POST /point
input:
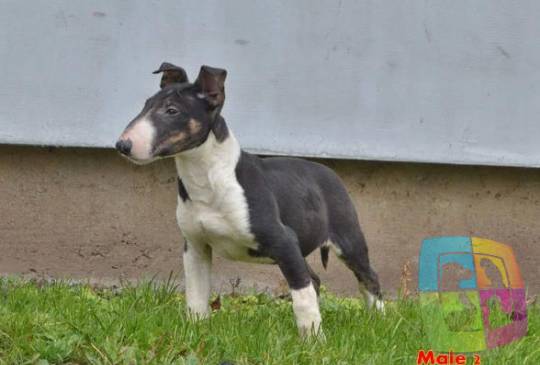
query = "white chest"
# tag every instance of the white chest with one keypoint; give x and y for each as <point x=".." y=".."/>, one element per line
<point x="221" y="221"/>
<point x="216" y="212"/>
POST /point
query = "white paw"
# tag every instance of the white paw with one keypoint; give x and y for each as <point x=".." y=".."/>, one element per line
<point x="310" y="333"/>
<point x="379" y="305"/>
<point x="198" y="314"/>
<point x="306" y="310"/>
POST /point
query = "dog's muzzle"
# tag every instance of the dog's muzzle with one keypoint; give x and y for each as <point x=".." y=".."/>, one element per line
<point x="124" y="146"/>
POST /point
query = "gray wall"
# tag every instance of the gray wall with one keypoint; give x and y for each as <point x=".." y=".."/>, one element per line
<point x="453" y="82"/>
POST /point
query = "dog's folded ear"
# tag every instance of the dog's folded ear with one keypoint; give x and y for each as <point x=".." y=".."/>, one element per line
<point x="211" y="84"/>
<point x="171" y="74"/>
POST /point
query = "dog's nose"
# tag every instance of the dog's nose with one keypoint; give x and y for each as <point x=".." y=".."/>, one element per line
<point x="124" y="146"/>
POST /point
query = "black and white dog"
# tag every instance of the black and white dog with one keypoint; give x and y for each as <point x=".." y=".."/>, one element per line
<point x="267" y="210"/>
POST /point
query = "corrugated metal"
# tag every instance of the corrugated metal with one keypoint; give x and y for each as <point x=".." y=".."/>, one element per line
<point x="453" y="82"/>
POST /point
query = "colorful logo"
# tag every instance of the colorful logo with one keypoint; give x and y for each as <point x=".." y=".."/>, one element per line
<point x="472" y="294"/>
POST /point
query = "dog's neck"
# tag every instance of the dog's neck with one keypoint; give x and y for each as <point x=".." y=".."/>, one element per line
<point x="208" y="170"/>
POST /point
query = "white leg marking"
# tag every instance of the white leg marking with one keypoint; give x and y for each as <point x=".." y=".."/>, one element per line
<point x="379" y="305"/>
<point x="306" y="311"/>
<point x="371" y="300"/>
<point x="197" y="268"/>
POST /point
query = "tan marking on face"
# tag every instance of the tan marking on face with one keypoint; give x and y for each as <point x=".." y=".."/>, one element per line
<point x="174" y="138"/>
<point x="170" y="141"/>
<point x="194" y="126"/>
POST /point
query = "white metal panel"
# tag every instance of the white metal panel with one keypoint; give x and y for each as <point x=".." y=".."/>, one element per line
<point x="454" y="81"/>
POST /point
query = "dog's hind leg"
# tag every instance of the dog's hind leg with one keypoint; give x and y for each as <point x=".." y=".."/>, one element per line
<point x="353" y="251"/>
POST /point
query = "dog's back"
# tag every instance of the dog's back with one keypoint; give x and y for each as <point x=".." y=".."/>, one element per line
<point x="311" y="199"/>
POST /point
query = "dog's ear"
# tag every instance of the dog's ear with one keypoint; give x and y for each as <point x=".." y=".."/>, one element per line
<point x="171" y="74"/>
<point x="211" y="85"/>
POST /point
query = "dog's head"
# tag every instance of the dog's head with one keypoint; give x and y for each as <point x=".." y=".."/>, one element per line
<point x="177" y="118"/>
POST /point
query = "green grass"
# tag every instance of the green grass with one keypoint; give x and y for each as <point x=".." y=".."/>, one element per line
<point x="58" y="323"/>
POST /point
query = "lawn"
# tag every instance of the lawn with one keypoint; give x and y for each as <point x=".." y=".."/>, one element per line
<point x="58" y="323"/>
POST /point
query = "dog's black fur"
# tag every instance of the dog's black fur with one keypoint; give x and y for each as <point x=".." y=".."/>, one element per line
<point x="302" y="204"/>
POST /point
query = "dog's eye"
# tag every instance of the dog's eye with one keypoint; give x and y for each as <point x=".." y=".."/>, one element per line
<point x="171" y="111"/>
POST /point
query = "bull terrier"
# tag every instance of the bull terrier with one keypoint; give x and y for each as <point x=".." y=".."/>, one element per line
<point x="274" y="210"/>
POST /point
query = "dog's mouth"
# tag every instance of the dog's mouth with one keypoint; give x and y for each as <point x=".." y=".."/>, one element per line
<point x="139" y="162"/>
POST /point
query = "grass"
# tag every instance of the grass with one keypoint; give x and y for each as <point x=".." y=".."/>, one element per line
<point x="59" y="323"/>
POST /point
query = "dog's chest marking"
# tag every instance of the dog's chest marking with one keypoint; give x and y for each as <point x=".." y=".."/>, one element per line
<point x="216" y="212"/>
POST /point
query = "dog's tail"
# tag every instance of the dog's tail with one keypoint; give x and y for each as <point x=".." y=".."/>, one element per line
<point x="324" y="256"/>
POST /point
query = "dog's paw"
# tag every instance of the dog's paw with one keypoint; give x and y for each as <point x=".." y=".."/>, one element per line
<point x="198" y="314"/>
<point x="310" y="334"/>
<point x="379" y="306"/>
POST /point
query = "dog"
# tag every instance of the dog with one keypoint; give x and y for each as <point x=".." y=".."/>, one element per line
<point x="274" y="210"/>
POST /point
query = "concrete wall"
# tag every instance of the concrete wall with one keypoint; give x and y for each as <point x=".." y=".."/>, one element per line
<point x="87" y="213"/>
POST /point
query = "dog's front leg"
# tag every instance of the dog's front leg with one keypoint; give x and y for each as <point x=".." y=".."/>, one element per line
<point x="197" y="270"/>
<point x="304" y="297"/>
<point x="306" y="310"/>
